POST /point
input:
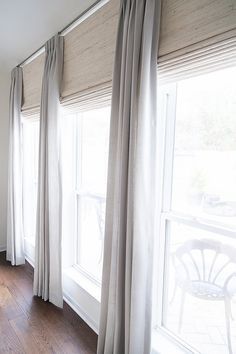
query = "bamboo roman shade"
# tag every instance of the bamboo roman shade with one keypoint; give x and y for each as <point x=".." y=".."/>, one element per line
<point x="89" y="56"/>
<point x="32" y="82"/>
<point x="188" y="25"/>
<point x="196" y="37"/>
<point x="191" y="31"/>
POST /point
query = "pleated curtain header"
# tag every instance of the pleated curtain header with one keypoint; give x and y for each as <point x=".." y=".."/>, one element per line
<point x="187" y="26"/>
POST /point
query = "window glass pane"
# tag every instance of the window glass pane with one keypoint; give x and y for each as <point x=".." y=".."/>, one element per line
<point x="91" y="219"/>
<point x="68" y="163"/>
<point x="92" y="163"/>
<point x="30" y="176"/>
<point x="94" y="137"/>
<point x="205" y="147"/>
<point x="200" y="288"/>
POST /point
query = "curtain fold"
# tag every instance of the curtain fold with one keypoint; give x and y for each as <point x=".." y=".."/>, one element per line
<point x="48" y="274"/>
<point x="15" y="239"/>
<point x="125" y="320"/>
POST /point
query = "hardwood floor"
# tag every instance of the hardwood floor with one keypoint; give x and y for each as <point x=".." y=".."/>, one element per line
<point x="30" y="325"/>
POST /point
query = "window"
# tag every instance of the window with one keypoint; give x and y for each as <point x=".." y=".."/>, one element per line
<point x="92" y="137"/>
<point x="30" y="176"/>
<point x="198" y="213"/>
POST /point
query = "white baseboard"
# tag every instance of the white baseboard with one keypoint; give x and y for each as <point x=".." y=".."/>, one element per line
<point x="2" y="248"/>
<point x="74" y="305"/>
<point x="29" y="260"/>
<point x="29" y="251"/>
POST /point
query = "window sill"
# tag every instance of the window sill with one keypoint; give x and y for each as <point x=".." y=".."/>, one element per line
<point x="92" y="289"/>
<point x="162" y="344"/>
<point x="83" y="296"/>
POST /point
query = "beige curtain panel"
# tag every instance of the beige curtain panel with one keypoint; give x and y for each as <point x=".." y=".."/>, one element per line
<point x="47" y="272"/>
<point x="126" y="305"/>
<point x="15" y="238"/>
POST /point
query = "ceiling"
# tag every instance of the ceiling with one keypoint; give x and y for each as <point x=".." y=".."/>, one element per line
<point x="25" y="25"/>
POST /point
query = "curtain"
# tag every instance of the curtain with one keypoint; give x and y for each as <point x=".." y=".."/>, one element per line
<point x="125" y="320"/>
<point x="47" y="275"/>
<point x="15" y="239"/>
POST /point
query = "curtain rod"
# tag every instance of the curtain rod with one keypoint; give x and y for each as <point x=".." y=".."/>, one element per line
<point x="85" y="14"/>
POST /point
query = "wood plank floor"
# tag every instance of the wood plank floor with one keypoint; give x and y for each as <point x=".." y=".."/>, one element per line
<point x="30" y="325"/>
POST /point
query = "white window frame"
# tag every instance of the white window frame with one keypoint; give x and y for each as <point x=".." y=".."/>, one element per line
<point x="166" y="140"/>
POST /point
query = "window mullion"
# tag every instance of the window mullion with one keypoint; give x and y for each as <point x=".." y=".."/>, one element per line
<point x="169" y="146"/>
<point x="166" y="120"/>
<point x="200" y="223"/>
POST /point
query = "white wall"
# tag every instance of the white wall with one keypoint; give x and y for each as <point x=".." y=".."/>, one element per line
<point x="4" y="105"/>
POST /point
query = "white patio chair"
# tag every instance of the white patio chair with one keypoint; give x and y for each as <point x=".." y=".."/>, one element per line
<point x="206" y="269"/>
